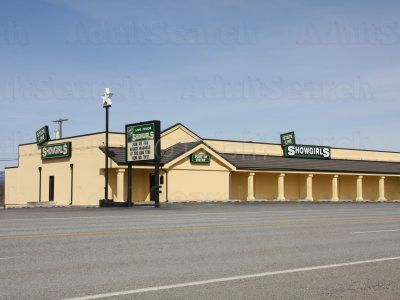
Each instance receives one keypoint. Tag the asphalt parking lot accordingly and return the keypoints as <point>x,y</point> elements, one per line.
<point>202,251</point>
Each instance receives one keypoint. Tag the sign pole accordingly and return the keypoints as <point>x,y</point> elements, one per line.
<point>157,184</point>
<point>40,184</point>
<point>129,199</point>
<point>106,162</point>
<point>157,164</point>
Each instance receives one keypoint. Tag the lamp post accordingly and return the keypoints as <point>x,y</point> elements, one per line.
<point>106,104</point>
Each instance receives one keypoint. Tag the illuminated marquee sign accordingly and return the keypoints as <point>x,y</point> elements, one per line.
<point>142,141</point>
<point>307,151</point>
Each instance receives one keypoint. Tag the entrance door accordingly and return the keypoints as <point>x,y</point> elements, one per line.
<point>51,188</point>
<point>153,189</point>
<point>152,184</point>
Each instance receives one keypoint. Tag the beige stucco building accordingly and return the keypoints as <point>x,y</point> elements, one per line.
<point>234,170</point>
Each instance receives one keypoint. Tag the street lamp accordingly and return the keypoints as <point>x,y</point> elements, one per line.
<point>106,104</point>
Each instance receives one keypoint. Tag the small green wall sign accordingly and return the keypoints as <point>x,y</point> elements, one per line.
<point>61,150</point>
<point>307,151</point>
<point>200,157</point>
<point>288,139</point>
<point>42,135</point>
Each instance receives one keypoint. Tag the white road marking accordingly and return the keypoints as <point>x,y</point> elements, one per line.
<point>233,278</point>
<point>375,231</point>
<point>4,258</point>
<point>190,214</point>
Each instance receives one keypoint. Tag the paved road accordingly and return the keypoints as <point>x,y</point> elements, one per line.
<point>203,251</point>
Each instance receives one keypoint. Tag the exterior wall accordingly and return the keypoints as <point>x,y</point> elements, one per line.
<point>266,186</point>
<point>113,179</point>
<point>392,188</point>
<point>88,161</point>
<point>190,182</point>
<point>371,188</point>
<point>112,184</point>
<point>245,148</point>
<point>365,155</point>
<point>12,192</point>
<point>176,135</point>
<point>347,187</point>
<point>239,185</point>
<point>22,183</point>
<point>116,139</point>
<point>192,185</point>
<point>141,185</point>
<point>295,186</point>
<point>322,187</point>
<point>276,150</point>
<point>62,181</point>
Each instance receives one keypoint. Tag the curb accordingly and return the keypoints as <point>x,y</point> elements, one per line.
<point>212,202</point>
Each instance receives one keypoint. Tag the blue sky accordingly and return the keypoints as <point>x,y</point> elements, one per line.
<point>245,70</point>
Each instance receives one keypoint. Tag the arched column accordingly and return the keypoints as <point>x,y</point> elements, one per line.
<point>382,189</point>
<point>359,188</point>
<point>281,187</point>
<point>250,186</point>
<point>120,184</point>
<point>309,183</point>
<point>335,192</point>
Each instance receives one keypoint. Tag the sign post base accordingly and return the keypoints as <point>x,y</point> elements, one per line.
<point>111,203</point>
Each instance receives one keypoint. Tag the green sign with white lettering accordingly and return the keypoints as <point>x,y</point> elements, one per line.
<point>288,139</point>
<point>200,157</point>
<point>42,135</point>
<point>61,150</point>
<point>307,151</point>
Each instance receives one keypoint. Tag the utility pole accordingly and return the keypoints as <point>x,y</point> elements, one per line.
<point>60,122</point>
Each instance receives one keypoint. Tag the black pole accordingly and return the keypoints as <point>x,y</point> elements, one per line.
<point>106,174</point>
<point>72,183</point>
<point>166,184</point>
<point>157,165</point>
<point>40,184</point>
<point>129,199</point>
<point>157,184</point>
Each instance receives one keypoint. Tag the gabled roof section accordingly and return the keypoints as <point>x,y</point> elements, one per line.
<point>176,151</point>
<point>182,127</point>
